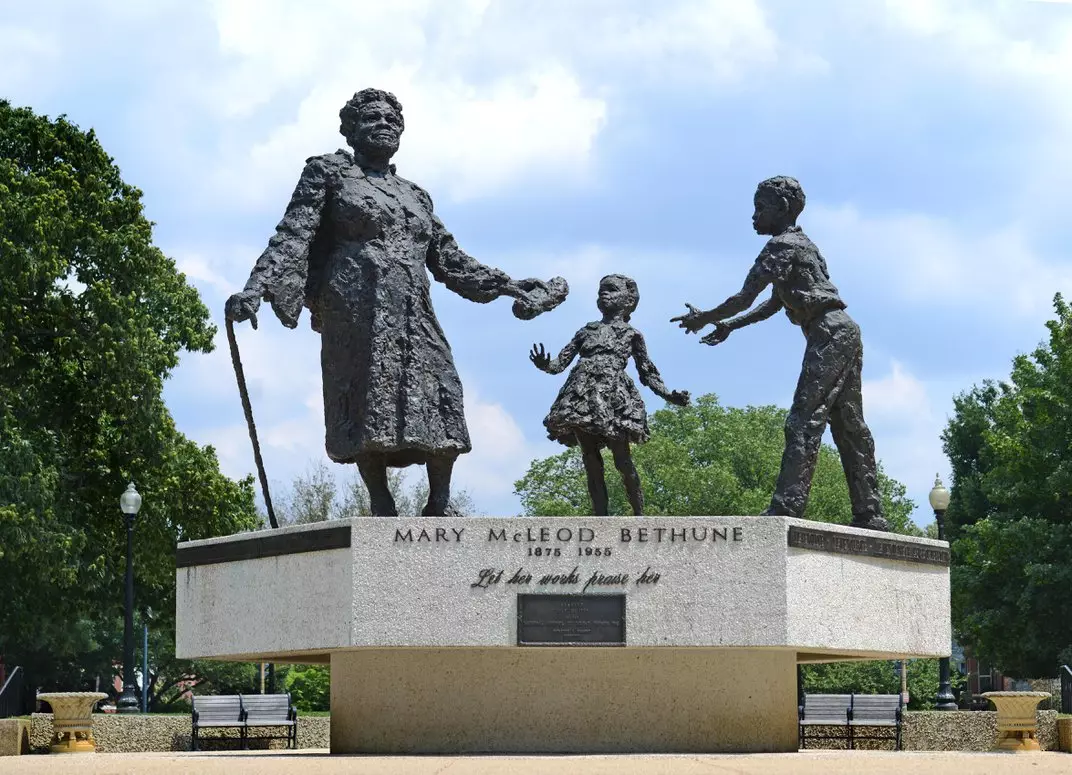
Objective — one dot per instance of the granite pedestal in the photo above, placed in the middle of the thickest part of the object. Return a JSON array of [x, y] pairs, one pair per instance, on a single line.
[[475, 635]]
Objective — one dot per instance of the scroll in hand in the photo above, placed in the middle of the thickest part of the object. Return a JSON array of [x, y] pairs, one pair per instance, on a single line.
[[534, 297]]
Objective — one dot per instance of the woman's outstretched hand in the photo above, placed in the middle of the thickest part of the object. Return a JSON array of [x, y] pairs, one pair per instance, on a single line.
[[678, 397], [540, 359]]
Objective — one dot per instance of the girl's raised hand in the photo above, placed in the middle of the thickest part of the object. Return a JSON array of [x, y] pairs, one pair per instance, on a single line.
[[539, 357]]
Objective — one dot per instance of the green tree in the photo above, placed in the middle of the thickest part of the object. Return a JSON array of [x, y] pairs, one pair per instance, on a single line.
[[313, 497], [92, 320], [309, 687], [877, 677], [317, 496], [706, 460], [1010, 448]]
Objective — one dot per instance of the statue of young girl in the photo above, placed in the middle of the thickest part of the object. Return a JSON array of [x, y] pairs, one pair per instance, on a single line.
[[600, 406]]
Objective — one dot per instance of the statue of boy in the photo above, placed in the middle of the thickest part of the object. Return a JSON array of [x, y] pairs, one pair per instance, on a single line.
[[355, 246], [829, 388]]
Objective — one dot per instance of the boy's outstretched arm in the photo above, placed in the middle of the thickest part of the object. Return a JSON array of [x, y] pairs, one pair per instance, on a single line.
[[762, 312], [757, 280]]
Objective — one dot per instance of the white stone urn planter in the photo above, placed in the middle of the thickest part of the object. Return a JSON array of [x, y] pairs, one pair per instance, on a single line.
[[72, 720], [1017, 725]]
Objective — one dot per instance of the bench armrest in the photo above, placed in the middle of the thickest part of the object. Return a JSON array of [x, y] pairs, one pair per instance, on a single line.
[[195, 713], [292, 713]]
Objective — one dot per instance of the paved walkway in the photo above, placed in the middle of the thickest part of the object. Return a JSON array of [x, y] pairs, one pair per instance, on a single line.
[[317, 762]]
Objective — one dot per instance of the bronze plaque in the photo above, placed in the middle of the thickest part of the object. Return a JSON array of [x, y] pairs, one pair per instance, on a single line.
[[869, 546], [571, 620]]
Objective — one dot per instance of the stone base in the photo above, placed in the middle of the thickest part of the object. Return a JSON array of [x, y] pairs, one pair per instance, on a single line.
[[1064, 734], [14, 736], [73, 742], [1018, 742], [563, 700], [428, 624]]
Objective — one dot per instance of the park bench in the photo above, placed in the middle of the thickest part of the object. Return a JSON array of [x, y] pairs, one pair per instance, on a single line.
[[244, 712], [271, 710], [876, 711], [825, 710], [845, 714]]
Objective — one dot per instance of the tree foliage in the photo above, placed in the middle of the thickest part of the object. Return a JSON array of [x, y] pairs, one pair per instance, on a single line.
[[878, 677], [92, 320], [317, 495], [706, 460], [1010, 448], [309, 686]]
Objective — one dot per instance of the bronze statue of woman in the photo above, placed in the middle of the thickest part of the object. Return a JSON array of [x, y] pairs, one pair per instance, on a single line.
[[355, 247]]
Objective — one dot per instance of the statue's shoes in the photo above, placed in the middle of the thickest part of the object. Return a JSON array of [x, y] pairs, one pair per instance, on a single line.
[[873, 522]]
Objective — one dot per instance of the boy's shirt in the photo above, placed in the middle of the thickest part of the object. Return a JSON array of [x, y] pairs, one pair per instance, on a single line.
[[794, 266]]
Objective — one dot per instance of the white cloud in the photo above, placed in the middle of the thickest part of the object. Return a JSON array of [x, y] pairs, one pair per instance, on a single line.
[[501, 452], [997, 43], [536, 123], [493, 92], [461, 141], [928, 260], [695, 41], [898, 395], [907, 431], [203, 271]]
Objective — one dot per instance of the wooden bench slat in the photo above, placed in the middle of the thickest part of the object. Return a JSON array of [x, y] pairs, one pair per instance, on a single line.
[[268, 710], [201, 723]]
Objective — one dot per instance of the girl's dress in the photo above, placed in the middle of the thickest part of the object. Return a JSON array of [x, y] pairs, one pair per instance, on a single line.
[[599, 397]]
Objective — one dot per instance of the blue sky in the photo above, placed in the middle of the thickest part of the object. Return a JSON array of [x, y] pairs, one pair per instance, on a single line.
[[582, 138]]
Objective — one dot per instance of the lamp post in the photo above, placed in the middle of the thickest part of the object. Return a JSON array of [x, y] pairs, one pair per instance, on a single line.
[[130, 503], [939, 498]]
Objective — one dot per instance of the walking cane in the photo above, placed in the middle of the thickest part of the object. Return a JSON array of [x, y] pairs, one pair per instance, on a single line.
[[236, 359]]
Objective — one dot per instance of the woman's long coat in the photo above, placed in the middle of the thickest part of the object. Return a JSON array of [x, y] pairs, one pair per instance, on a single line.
[[355, 246]]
